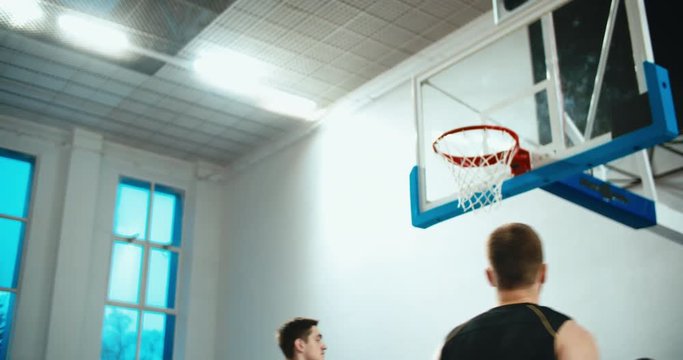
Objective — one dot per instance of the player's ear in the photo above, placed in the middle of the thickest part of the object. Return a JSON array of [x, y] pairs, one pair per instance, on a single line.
[[541, 273], [299, 345], [491, 276]]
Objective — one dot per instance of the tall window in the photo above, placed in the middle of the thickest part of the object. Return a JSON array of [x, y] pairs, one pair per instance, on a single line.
[[16, 174], [140, 310]]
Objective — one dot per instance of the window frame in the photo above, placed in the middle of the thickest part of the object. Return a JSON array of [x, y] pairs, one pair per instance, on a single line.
[[25, 235], [147, 246]]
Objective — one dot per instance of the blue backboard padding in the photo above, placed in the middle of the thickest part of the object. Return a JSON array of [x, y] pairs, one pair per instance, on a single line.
[[663, 128], [604, 198]]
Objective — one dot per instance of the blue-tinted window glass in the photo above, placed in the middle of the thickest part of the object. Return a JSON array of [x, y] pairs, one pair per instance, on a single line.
[[124, 276], [6, 307], [132, 207], [15, 184], [166, 217], [11, 232], [161, 279], [119, 333], [157, 336]]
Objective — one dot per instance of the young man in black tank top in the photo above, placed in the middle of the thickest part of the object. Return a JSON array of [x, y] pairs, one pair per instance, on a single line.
[[518, 328]]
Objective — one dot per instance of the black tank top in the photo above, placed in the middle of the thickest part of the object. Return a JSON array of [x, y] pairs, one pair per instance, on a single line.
[[516, 331]]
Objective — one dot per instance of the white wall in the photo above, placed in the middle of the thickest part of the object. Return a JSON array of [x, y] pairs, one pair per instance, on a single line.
[[322, 229], [68, 246]]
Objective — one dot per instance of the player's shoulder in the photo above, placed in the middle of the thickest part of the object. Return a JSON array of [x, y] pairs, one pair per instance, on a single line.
[[573, 341]]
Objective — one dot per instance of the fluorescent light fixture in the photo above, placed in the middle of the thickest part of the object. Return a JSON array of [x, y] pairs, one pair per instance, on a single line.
[[232, 71], [244, 75], [21, 12], [94, 34], [288, 104]]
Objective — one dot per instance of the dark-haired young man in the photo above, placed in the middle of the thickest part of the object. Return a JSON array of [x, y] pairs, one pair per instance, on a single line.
[[518, 328], [300, 339]]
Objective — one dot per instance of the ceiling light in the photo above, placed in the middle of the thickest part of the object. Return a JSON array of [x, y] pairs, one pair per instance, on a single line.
[[288, 104], [94, 34], [21, 12], [244, 75], [231, 70]]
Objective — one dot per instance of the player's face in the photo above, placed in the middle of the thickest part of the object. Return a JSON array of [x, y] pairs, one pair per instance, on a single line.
[[314, 347]]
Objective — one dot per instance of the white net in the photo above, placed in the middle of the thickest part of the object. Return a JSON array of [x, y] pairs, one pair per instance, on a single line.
[[479, 160]]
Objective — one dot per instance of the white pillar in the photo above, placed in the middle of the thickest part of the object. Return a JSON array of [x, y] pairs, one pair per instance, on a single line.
[[67, 316]]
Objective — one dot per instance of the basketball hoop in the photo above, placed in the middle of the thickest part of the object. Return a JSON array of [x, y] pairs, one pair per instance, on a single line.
[[481, 158]]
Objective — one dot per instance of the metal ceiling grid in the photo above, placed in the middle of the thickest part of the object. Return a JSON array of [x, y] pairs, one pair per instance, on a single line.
[[319, 49]]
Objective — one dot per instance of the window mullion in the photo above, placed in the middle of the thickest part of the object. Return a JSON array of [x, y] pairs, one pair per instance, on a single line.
[[145, 264], [10, 217]]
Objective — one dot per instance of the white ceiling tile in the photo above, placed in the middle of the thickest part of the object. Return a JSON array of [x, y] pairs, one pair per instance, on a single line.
[[297, 43], [304, 65], [324, 53], [366, 24], [238, 20], [155, 84], [199, 137], [438, 31], [315, 27], [393, 58], [49, 82], [188, 94], [334, 92], [161, 114], [78, 90], [223, 118], [173, 104], [417, 44], [465, 15], [416, 21], [26, 90], [268, 32], [393, 36], [150, 124], [215, 34], [344, 39], [173, 130], [351, 82], [100, 103], [123, 116], [482, 5], [249, 46], [388, 10], [89, 79], [359, 4], [337, 12], [211, 128], [371, 49], [351, 62], [372, 70], [441, 8], [20, 74], [307, 6], [258, 8], [146, 96], [331, 75], [134, 106], [116, 87], [129, 76], [25, 103], [64, 99], [311, 85], [286, 16], [187, 121]]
